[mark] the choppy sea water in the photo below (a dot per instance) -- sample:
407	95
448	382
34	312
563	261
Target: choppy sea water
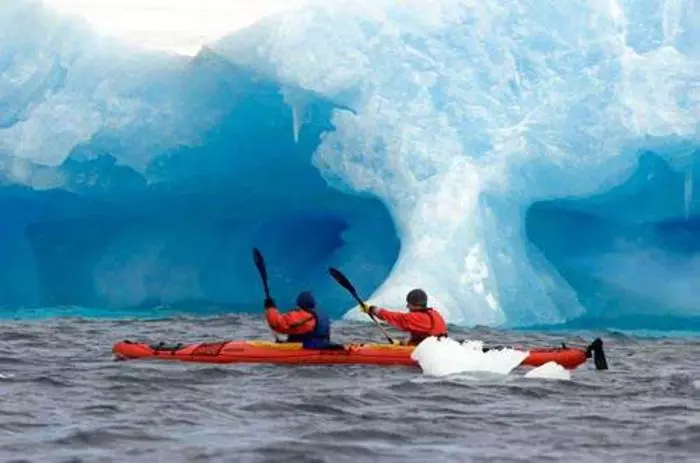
65	399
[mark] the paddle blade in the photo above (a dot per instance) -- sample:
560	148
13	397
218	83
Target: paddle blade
345	283
259	262
341	279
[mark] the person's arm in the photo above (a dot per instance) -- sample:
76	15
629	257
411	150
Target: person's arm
413	322
294	322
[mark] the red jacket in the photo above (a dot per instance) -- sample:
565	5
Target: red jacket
296	321
420	323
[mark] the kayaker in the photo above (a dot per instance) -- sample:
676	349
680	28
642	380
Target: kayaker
421	321
302	324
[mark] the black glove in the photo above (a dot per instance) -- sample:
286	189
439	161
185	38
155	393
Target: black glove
269	302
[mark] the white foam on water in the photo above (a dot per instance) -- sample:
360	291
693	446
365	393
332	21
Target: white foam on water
441	357
550	370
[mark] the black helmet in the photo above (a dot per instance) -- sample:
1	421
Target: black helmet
417	297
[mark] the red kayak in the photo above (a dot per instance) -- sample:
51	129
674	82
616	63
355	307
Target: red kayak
363	354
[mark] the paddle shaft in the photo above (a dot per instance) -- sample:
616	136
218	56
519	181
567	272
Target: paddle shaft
260	264
345	283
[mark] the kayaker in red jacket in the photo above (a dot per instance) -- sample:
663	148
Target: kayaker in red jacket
421	321
302	324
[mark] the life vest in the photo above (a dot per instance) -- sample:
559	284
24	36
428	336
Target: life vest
320	337
437	328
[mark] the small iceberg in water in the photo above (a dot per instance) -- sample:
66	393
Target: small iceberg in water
442	357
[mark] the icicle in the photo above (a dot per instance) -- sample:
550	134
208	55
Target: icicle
295	123
297	102
688	191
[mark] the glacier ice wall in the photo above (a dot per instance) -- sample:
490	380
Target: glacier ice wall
469	116
535	158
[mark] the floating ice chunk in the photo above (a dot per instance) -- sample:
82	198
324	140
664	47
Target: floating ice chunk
440	357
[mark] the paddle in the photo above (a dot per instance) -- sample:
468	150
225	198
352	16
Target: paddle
260	264
345	283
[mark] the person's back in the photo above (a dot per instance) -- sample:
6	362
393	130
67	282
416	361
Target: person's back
421	321
304	324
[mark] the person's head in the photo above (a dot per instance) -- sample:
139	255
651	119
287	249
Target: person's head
305	300
417	299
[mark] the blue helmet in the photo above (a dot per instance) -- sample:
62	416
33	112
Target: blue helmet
306	300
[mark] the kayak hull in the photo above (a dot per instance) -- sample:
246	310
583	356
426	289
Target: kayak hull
295	354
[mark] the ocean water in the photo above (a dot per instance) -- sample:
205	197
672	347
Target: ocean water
65	399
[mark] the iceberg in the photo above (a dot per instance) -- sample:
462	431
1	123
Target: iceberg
526	163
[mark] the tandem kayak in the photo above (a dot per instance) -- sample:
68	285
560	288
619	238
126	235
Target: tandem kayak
256	351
